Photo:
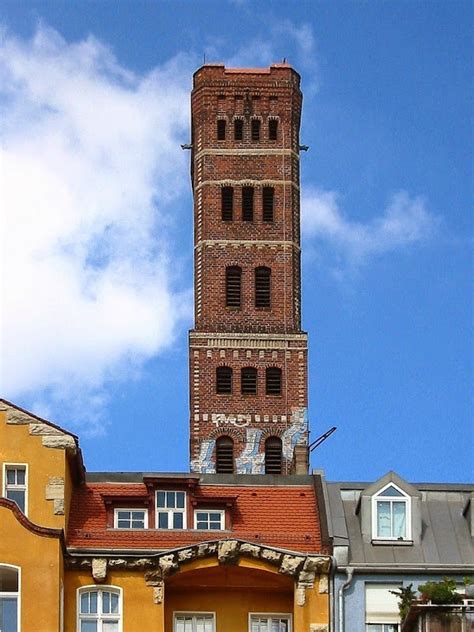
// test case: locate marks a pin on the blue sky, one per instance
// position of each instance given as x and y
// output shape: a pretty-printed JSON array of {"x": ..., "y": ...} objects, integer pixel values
[{"x": 94, "y": 102}]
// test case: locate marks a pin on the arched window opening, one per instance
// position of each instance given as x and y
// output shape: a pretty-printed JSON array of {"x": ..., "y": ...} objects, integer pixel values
[
  {"x": 267, "y": 204},
  {"x": 273, "y": 380},
  {"x": 238, "y": 129},
  {"x": 262, "y": 287},
  {"x": 99, "y": 610},
  {"x": 273, "y": 455},
  {"x": 221, "y": 124},
  {"x": 247, "y": 204},
  {"x": 223, "y": 380},
  {"x": 225, "y": 455},
  {"x": 9, "y": 599},
  {"x": 233, "y": 285},
  {"x": 227, "y": 204},
  {"x": 272, "y": 129},
  {"x": 255, "y": 129},
  {"x": 248, "y": 381}
]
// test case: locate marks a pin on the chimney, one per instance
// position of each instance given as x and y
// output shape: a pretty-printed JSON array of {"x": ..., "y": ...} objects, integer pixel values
[{"x": 301, "y": 459}]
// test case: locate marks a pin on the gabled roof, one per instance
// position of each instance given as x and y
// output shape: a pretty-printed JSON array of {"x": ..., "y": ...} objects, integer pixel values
[{"x": 52, "y": 435}]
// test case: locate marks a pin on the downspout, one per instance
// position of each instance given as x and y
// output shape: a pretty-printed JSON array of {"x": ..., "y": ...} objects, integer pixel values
[
  {"x": 345, "y": 585},
  {"x": 332, "y": 587}
]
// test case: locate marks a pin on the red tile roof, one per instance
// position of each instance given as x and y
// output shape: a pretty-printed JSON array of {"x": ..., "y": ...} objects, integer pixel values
[{"x": 279, "y": 516}]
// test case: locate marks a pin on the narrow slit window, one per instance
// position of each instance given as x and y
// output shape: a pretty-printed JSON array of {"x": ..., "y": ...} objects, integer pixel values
[
  {"x": 273, "y": 381},
  {"x": 272, "y": 129},
  {"x": 247, "y": 204},
  {"x": 248, "y": 381},
  {"x": 221, "y": 125},
  {"x": 268, "y": 196},
  {"x": 233, "y": 286},
  {"x": 238, "y": 129},
  {"x": 225, "y": 455},
  {"x": 223, "y": 380},
  {"x": 273, "y": 456},
  {"x": 227, "y": 204},
  {"x": 262, "y": 287},
  {"x": 255, "y": 129}
]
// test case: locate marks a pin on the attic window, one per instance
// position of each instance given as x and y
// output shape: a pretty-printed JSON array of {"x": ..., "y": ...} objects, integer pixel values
[
  {"x": 15, "y": 485},
  {"x": 391, "y": 514},
  {"x": 170, "y": 510},
  {"x": 221, "y": 129},
  {"x": 130, "y": 519}
]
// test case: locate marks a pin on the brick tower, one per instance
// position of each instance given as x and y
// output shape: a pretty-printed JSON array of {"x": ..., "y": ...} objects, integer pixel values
[{"x": 248, "y": 354}]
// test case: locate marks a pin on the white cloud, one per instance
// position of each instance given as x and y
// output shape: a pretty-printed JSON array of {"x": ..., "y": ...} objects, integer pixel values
[
  {"x": 90, "y": 165},
  {"x": 403, "y": 222}
]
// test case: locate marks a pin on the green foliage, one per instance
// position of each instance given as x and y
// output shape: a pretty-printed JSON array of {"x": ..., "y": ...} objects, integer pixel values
[
  {"x": 406, "y": 595},
  {"x": 468, "y": 581},
  {"x": 443, "y": 592}
]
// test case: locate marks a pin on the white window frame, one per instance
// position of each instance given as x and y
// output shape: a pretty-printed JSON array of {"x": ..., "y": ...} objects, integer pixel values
[
  {"x": 385, "y": 626},
  {"x": 194, "y": 613},
  {"x": 171, "y": 511},
  {"x": 14, "y": 594},
  {"x": 379, "y": 497},
  {"x": 5, "y": 486},
  {"x": 269, "y": 615},
  {"x": 100, "y": 615},
  {"x": 130, "y": 509},
  {"x": 221, "y": 512}
]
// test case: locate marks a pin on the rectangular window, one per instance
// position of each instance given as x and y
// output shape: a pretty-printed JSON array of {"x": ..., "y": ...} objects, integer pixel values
[
  {"x": 270, "y": 623},
  {"x": 272, "y": 129},
  {"x": 238, "y": 129},
  {"x": 194, "y": 622},
  {"x": 247, "y": 204},
  {"x": 170, "y": 510},
  {"x": 9, "y": 599},
  {"x": 209, "y": 520},
  {"x": 267, "y": 204},
  {"x": 227, "y": 204},
  {"x": 255, "y": 129},
  {"x": 221, "y": 129},
  {"x": 130, "y": 519},
  {"x": 381, "y": 608},
  {"x": 14, "y": 483}
]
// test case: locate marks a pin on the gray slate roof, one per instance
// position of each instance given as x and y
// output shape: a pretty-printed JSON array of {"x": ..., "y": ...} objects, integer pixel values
[{"x": 446, "y": 535}]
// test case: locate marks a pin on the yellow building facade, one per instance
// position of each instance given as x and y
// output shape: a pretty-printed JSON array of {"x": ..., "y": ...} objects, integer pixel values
[{"x": 65, "y": 568}]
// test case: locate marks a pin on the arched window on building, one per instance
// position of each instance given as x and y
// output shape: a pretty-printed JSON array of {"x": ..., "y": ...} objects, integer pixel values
[
  {"x": 268, "y": 195},
  {"x": 227, "y": 204},
  {"x": 248, "y": 381},
  {"x": 263, "y": 278},
  {"x": 273, "y": 381},
  {"x": 223, "y": 380},
  {"x": 233, "y": 286},
  {"x": 273, "y": 455},
  {"x": 225, "y": 455},
  {"x": 99, "y": 609},
  {"x": 9, "y": 599}
]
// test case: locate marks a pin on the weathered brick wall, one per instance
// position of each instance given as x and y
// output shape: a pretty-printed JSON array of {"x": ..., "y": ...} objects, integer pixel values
[{"x": 246, "y": 336}]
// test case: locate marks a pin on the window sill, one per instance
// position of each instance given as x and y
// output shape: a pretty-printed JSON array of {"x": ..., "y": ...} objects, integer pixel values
[{"x": 380, "y": 542}]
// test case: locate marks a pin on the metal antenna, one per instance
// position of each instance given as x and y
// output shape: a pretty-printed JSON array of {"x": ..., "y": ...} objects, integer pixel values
[{"x": 317, "y": 442}]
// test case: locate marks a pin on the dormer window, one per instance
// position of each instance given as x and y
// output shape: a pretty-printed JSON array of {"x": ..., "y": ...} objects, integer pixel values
[
  {"x": 170, "y": 510},
  {"x": 391, "y": 514},
  {"x": 130, "y": 519}
]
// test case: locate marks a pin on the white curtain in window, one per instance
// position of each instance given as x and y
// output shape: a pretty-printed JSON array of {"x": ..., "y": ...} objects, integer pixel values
[
  {"x": 384, "y": 520},
  {"x": 381, "y": 606},
  {"x": 399, "y": 520}
]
